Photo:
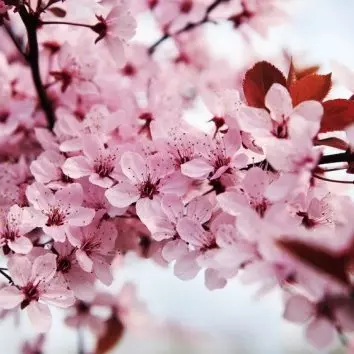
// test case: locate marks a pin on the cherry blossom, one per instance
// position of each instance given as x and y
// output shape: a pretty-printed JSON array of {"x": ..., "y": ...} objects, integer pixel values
[
  {"x": 35, "y": 288},
  {"x": 115, "y": 30},
  {"x": 55, "y": 212},
  {"x": 13, "y": 230}
]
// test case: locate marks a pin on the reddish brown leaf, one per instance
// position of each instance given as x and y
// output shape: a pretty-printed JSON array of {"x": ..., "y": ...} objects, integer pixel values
[
  {"x": 111, "y": 337},
  {"x": 291, "y": 75},
  {"x": 338, "y": 114},
  {"x": 332, "y": 142},
  {"x": 57, "y": 11},
  {"x": 258, "y": 81},
  {"x": 312, "y": 87},
  {"x": 322, "y": 260},
  {"x": 310, "y": 70}
]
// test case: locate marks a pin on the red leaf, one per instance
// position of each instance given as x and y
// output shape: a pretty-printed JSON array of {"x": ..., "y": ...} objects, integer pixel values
[
  {"x": 111, "y": 336},
  {"x": 322, "y": 260},
  {"x": 291, "y": 75},
  {"x": 311, "y": 87},
  {"x": 57, "y": 11},
  {"x": 258, "y": 81},
  {"x": 310, "y": 70},
  {"x": 338, "y": 114}
]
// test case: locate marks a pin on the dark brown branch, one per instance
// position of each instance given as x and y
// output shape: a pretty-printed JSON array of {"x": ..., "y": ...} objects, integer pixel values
[
  {"x": 2, "y": 272},
  {"x": 188, "y": 26},
  {"x": 31, "y": 23}
]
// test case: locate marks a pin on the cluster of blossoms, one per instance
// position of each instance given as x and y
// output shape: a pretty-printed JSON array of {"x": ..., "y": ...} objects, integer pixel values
[{"x": 99, "y": 157}]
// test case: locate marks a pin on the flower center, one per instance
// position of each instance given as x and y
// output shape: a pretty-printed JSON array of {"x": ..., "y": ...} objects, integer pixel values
[
  {"x": 104, "y": 167},
  {"x": 55, "y": 218},
  {"x": 148, "y": 189},
  {"x": 280, "y": 130},
  {"x": 129, "y": 70},
  {"x": 186, "y": 6},
  {"x": 31, "y": 294},
  {"x": 9, "y": 233},
  {"x": 64, "y": 265}
]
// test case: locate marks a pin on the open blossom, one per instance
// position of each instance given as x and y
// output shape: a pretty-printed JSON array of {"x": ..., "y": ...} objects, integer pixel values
[
  {"x": 13, "y": 230},
  {"x": 35, "y": 288},
  {"x": 217, "y": 156},
  {"x": 145, "y": 180},
  {"x": 322, "y": 317},
  {"x": 99, "y": 163},
  {"x": 115, "y": 30},
  {"x": 276, "y": 123},
  {"x": 70, "y": 271},
  {"x": 95, "y": 248},
  {"x": 55, "y": 212},
  {"x": 74, "y": 71}
]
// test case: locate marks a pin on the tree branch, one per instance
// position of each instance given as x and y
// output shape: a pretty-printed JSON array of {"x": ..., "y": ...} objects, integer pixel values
[
  {"x": 31, "y": 23},
  {"x": 188, "y": 26}
]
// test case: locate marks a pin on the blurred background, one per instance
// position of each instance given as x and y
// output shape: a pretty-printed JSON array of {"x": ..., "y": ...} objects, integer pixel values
[{"x": 187, "y": 318}]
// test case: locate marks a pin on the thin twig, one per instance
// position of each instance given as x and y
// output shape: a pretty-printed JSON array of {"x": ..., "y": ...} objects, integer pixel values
[
  {"x": 332, "y": 180},
  {"x": 6, "y": 276},
  {"x": 189, "y": 26}
]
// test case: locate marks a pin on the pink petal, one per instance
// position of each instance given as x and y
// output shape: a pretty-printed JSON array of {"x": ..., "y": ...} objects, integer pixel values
[
  {"x": 80, "y": 216},
  {"x": 252, "y": 119},
  {"x": 279, "y": 102},
  {"x": 213, "y": 280},
  {"x": 172, "y": 207},
  {"x": 320, "y": 332},
  {"x": 39, "y": 316},
  {"x": 310, "y": 110},
  {"x": 21, "y": 245},
  {"x": 186, "y": 267},
  {"x": 84, "y": 260},
  {"x": 122, "y": 195},
  {"x": 298, "y": 309},
  {"x": 103, "y": 271},
  {"x": 232, "y": 202},
  {"x": 10, "y": 297},
  {"x": 44, "y": 268},
  {"x": 70, "y": 195},
  {"x": 116, "y": 49},
  {"x": 192, "y": 232},
  {"x": 20, "y": 269},
  {"x": 133, "y": 166},
  {"x": 92, "y": 147},
  {"x": 232, "y": 141},
  {"x": 77, "y": 167},
  {"x": 174, "y": 249},
  {"x": 199, "y": 209},
  {"x": 104, "y": 182},
  {"x": 197, "y": 168}
]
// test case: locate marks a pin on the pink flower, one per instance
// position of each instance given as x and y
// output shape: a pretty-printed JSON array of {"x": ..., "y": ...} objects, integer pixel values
[
  {"x": 75, "y": 71},
  {"x": 35, "y": 287},
  {"x": 323, "y": 317},
  {"x": 217, "y": 156},
  {"x": 282, "y": 114},
  {"x": 47, "y": 169},
  {"x": 95, "y": 248},
  {"x": 99, "y": 163},
  {"x": 13, "y": 229},
  {"x": 83, "y": 317},
  {"x": 69, "y": 269},
  {"x": 55, "y": 212},
  {"x": 115, "y": 30},
  {"x": 144, "y": 180}
]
